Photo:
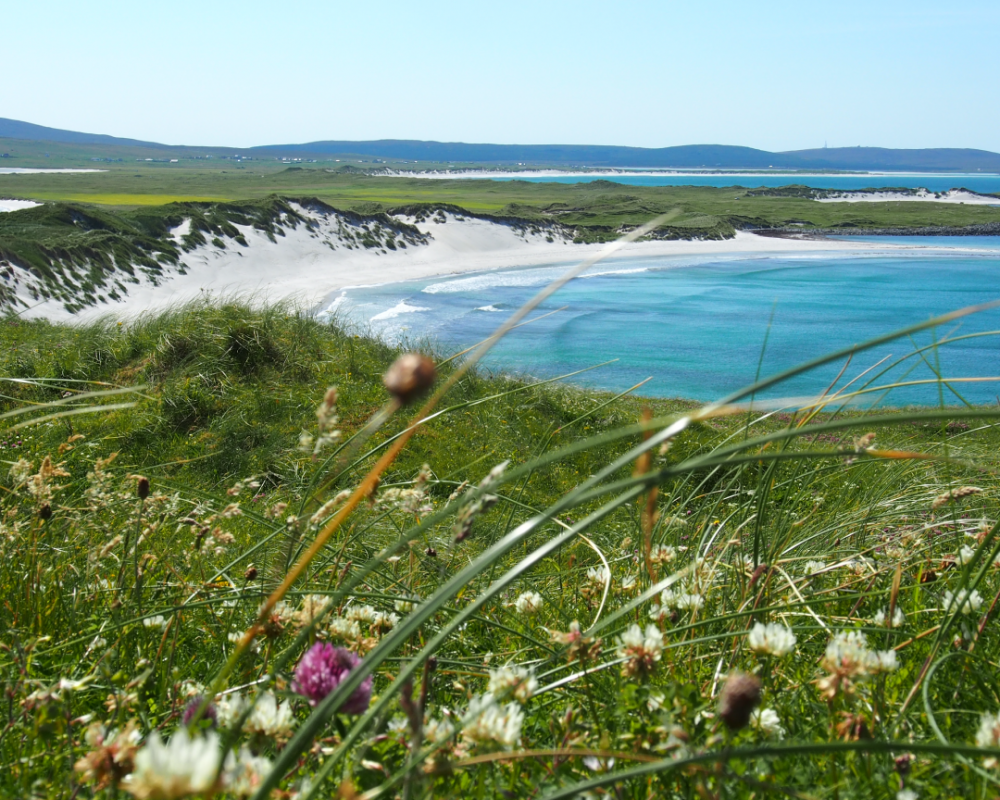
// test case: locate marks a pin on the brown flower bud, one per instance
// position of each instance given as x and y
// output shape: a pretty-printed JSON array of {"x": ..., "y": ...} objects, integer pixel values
[
  {"x": 45, "y": 512},
  {"x": 740, "y": 696},
  {"x": 410, "y": 376},
  {"x": 142, "y": 488},
  {"x": 250, "y": 574}
]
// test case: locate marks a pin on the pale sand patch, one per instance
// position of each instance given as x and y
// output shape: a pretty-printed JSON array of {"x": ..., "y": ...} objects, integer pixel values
[
  {"x": 309, "y": 267},
  {"x": 923, "y": 196},
  {"x": 16, "y": 205}
]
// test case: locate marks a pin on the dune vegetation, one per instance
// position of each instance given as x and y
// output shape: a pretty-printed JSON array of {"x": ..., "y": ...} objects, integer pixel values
[{"x": 244, "y": 553}]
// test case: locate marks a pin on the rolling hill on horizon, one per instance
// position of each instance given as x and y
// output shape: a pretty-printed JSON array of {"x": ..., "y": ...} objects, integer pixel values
[{"x": 710, "y": 156}]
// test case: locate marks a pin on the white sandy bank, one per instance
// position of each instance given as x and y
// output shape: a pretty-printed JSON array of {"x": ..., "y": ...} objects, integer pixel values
[
  {"x": 922, "y": 196},
  {"x": 16, "y": 205},
  {"x": 309, "y": 265}
]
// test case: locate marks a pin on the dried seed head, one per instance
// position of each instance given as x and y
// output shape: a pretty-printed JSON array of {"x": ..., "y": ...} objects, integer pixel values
[
  {"x": 740, "y": 696},
  {"x": 250, "y": 574},
  {"x": 45, "y": 512},
  {"x": 410, "y": 376},
  {"x": 142, "y": 488}
]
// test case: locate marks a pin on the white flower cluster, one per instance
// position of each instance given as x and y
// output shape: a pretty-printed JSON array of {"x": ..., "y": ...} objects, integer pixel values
[
  {"x": 641, "y": 649},
  {"x": 678, "y": 599},
  {"x": 898, "y": 618},
  {"x": 772, "y": 639},
  {"x": 512, "y": 681},
  {"x": 662, "y": 554},
  {"x": 812, "y": 567},
  {"x": 848, "y": 654},
  {"x": 268, "y": 717},
  {"x": 528, "y": 603},
  {"x": 486, "y": 722},
  {"x": 767, "y": 721},
  {"x": 963, "y": 600},
  {"x": 989, "y": 735}
]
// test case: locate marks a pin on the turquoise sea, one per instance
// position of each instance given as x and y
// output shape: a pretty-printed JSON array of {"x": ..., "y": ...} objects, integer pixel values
[
  {"x": 983, "y": 184},
  {"x": 697, "y": 326}
]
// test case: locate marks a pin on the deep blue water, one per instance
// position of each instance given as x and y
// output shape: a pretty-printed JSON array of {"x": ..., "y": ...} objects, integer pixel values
[
  {"x": 697, "y": 325},
  {"x": 983, "y": 184}
]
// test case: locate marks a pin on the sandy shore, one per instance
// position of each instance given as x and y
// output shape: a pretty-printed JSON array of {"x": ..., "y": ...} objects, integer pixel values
[
  {"x": 310, "y": 267},
  {"x": 16, "y": 205},
  {"x": 923, "y": 196}
]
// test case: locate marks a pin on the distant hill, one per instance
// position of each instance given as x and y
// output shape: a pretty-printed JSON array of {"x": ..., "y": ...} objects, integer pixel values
[
  {"x": 14, "y": 129},
  {"x": 948, "y": 159},
  {"x": 704, "y": 156}
]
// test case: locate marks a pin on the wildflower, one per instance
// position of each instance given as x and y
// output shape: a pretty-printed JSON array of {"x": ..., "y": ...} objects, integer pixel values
[
  {"x": 642, "y": 650},
  {"x": 881, "y": 617},
  {"x": 517, "y": 682},
  {"x": 848, "y": 660},
  {"x": 580, "y": 647},
  {"x": 209, "y": 716},
  {"x": 989, "y": 735},
  {"x": 812, "y": 567},
  {"x": 244, "y": 777},
  {"x": 963, "y": 600},
  {"x": 311, "y": 607},
  {"x": 344, "y": 630},
  {"x": 662, "y": 554},
  {"x": 183, "y": 766},
  {"x": 322, "y": 669},
  {"x": 771, "y": 639},
  {"x": 740, "y": 696},
  {"x": 965, "y": 555},
  {"x": 675, "y": 599},
  {"x": 158, "y": 621},
  {"x": 112, "y": 754},
  {"x": 906, "y": 794},
  {"x": 766, "y": 720},
  {"x": 270, "y": 718},
  {"x": 382, "y": 622},
  {"x": 229, "y": 708},
  {"x": 413, "y": 500},
  {"x": 954, "y": 494},
  {"x": 360, "y": 613},
  {"x": 486, "y": 722},
  {"x": 528, "y": 603},
  {"x": 405, "y": 604}
]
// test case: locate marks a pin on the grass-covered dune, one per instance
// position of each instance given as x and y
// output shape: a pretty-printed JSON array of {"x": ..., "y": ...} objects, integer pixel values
[{"x": 220, "y": 577}]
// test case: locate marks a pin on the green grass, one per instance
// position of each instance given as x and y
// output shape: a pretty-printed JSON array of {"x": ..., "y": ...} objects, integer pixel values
[{"x": 139, "y": 599}]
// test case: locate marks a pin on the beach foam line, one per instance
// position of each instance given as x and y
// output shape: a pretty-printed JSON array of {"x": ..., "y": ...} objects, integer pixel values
[{"x": 401, "y": 308}]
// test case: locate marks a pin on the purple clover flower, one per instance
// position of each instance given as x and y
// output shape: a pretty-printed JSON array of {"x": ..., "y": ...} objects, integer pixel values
[
  {"x": 322, "y": 669},
  {"x": 210, "y": 715}
]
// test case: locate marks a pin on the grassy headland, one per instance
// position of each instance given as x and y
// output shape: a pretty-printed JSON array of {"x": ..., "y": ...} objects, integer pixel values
[{"x": 563, "y": 628}]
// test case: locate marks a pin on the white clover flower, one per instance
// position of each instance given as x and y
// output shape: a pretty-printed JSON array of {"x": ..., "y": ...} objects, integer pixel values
[
  {"x": 346, "y": 630},
  {"x": 662, "y": 554},
  {"x": 229, "y": 708},
  {"x": 965, "y": 555},
  {"x": 642, "y": 649},
  {"x": 405, "y": 605},
  {"x": 529, "y": 603},
  {"x": 512, "y": 681},
  {"x": 963, "y": 600},
  {"x": 768, "y": 722},
  {"x": 848, "y": 654},
  {"x": 812, "y": 567},
  {"x": 270, "y": 718},
  {"x": 311, "y": 607},
  {"x": 383, "y": 621},
  {"x": 599, "y": 575},
  {"x": 772, "y": 639},
  {"x": 486, "y": 722},
  {"x": 898, "y": 618},
  {"x": 182, "y": 767},
  {"x": 158, "y": 621},
  {"x": 989, "y": 735},
  {"x": 885, "y": 661},
  {"x": 247, "y": 774},
  {"x": 438, "y": 730},
  {"x": 906, "y": 794},
  {"x": 360, "y": 613}
]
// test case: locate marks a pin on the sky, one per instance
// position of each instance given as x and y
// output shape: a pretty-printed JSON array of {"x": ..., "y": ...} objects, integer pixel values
[{"x": 647, "y": 73}]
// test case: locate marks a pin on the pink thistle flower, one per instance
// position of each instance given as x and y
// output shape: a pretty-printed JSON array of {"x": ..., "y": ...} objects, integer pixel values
[{"x": 322, "y": 669}]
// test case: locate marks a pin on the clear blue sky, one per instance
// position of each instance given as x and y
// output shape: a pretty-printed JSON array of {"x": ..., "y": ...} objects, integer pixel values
[{"x": 775, "y": 75}]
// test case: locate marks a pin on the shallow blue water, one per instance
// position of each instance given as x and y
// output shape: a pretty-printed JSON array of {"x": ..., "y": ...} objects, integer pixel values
[
  {"x": 983, "y": 184},
  {"x": 697, "y": 326}
]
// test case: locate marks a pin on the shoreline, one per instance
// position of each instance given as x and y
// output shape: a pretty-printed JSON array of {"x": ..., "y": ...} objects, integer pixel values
[{"x": 303, "y": 267}]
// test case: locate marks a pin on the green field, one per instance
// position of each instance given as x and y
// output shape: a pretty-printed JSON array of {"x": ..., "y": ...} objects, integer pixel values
[{"x": 566, "y": 627}]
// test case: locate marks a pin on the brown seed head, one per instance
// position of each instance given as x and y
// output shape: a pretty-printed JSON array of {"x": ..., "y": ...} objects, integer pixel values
[
  {"x": 250, "y": 574},
  {"x": 410, "y": 376},
  {"x": 45, "y": 512},
  {"x": 142, "y": 488},
  {"x": 740, "y": 696}
]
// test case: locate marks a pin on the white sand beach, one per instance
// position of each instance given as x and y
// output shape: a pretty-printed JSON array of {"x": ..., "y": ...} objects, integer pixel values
[
  {"x": 309, "y": 266},
  {"x": 16, "y": 205},
  {"x": 922, "y": 196}
]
